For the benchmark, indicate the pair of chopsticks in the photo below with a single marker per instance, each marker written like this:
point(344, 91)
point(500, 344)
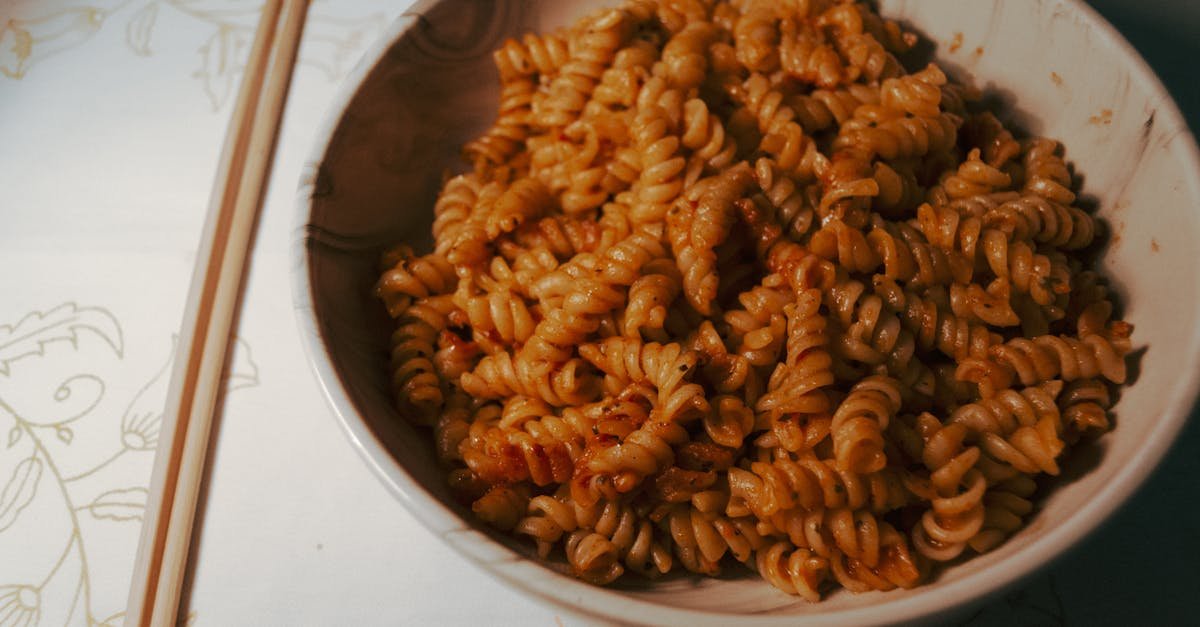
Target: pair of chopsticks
point(196, 379)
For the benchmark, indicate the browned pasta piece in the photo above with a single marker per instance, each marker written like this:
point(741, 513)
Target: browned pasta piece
point(531, 55)
point(1084, 406)
point(500, 375)
point(649, 299)
point(620, 83)
point(667, 367)
point(804, 55)
point(859, 422)
point(1046, 173)
point(933, 325)
point(1043, 220)
point(756, 35)
point(1035, 360)
point(685, 55)
point(861, 51)
point(1005, 507)
point(795, 571)
point(594, 49)
point(409, 277)
point(501, 506)
point(507, 135)
point(812, 484)
point(661, 178)
point(696, 229)
point(795, 385)
point(701, 539)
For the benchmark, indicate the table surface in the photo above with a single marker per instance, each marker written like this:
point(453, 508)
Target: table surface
point(111, 118)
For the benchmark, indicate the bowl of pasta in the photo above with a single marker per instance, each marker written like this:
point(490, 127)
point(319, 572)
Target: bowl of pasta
point(694, 311)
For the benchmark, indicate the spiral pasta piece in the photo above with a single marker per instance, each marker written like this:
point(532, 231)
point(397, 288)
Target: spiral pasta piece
point(756, 37)
point(547, 520)
point(932, 325)
point(792, 570)
point(782, 137)
point(696, 230)
point(811, 484)
point(954, 489)
point(661, 177)
point(619, 536)
point(701, 539)
point(453, 209)
point(902, 137)
point(805, 56)
point(1033, 361)
point(704, 134)
point(1031, 216)
point(862, 52)
point(832, 533)
point(414, 381)
point(620, 83)
point(685, 58)
point(908, 257)
point(571, 88)
point(1005, 507)
point(872, 335)
point(795, 386)
point(975, 177)
point(794, 263)
point(826, 108)
point(897, 567)
point(790, 205)
point(848, 186)
point(1046, 173)
point(531, 55)
point(899, 191)
point(501, 506)
point(729, 422)
point(918, 94)
point(564, 237)
point(525, 200)
point(506, 136)
point(411, 277)
point(500, 375)
point(667, 367)
point(649, 299)
point(859, 421)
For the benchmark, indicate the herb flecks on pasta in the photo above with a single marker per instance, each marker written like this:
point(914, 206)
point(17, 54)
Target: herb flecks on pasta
point(727, 285)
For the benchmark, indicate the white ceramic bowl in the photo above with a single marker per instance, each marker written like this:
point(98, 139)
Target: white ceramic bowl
point(1059, 69)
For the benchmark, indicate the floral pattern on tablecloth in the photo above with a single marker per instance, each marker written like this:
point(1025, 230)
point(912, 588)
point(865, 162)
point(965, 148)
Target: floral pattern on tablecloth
point(74, 462)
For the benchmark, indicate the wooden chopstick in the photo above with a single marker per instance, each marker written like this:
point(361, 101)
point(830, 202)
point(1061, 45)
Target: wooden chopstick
point(242, 174)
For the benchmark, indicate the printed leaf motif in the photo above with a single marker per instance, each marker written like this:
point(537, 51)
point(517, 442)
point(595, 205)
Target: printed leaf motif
point(116, 620)
point(20, 604)
point(14, 435)
point(333, 44)
point(125, 504)
point(142, 420)
point(31, 334)
point(243, 372)
point(15, 45)
point(219, 67)
point(19, 490)
point(65, 434)
point(24, 43)
point(139, 29)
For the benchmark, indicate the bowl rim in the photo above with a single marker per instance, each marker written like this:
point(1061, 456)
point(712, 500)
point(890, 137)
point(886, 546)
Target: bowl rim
point(576, 597)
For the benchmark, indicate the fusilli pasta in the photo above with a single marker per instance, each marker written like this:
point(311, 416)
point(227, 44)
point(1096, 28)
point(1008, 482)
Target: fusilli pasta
point(726, 284)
